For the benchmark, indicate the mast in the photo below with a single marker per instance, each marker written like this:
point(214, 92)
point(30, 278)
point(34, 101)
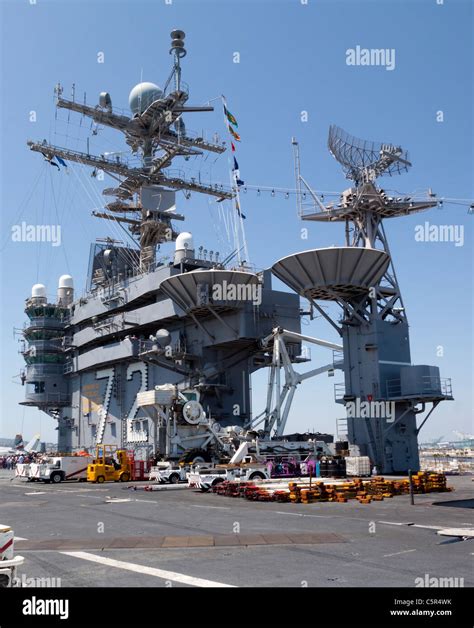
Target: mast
point(360, 277)
point(157, 135)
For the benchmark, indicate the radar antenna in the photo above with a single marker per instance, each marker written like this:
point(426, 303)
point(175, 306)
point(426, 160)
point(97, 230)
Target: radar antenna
point(363, 161)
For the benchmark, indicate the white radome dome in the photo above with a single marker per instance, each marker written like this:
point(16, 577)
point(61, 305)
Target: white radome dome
point(66, 281)
point(163, 337)
point(184, 241)
point(142, 96)
point(38, 291)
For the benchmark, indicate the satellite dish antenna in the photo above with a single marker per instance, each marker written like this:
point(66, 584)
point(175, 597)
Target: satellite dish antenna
point(364, 161)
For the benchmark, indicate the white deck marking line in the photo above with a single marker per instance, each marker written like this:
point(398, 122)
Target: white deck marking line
point(19, 538)
point(397, 553)
point(216, 507)
point(301, 514)
point(149, 571)
point(146, 501)
point(37, 493)
point(412, 525)
point(74, 490)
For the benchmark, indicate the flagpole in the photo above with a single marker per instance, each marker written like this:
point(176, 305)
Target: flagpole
point(235, 188)
point(232, 217)
point(242, 225)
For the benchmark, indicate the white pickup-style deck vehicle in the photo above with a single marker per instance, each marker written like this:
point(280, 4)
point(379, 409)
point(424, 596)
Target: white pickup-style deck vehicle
point(241, 466)
point(60, 468)
point(166, 472)
point(247, 466)
point(205, 479)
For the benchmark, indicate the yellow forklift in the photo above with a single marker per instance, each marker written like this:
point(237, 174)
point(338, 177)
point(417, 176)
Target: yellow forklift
point(109, 465)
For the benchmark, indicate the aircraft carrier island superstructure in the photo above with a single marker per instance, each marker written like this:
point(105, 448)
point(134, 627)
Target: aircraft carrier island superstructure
point(144, 323)
point(158, 354)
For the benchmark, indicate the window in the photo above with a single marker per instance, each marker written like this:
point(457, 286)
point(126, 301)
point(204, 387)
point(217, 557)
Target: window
point(35, 387)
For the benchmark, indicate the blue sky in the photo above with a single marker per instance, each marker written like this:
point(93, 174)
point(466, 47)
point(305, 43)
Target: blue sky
point(292, 59)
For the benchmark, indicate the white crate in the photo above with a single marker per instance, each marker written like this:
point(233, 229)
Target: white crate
point(358, 466)
point(164, 396)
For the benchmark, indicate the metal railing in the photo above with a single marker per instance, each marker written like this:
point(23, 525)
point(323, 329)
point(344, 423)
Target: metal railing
point(153, 347)
point(48, 397)
point(431, 385)
point(305, 354)
point(339, 391)
point(338, 358)
point(52, 345)
point(42, 370)
point(394, 388)
point(446, 387)
point(47, 322)
point(341, 428)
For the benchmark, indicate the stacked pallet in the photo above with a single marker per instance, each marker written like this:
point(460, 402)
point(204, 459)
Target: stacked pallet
point(322, 492)
point(427, 482)
point(229, 489)
point(302, 494)
point(379, 488)
point(257, 493)
point(355, 489)
point(295, 492)
point(437, 483)
point(364, 491)
point(423, 482)
point(281, 496)
point(344, 491)
point(363, 497)
point(307, 494)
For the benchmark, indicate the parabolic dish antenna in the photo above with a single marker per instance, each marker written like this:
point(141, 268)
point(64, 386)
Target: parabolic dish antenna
point(332, 273)
point(216, 289)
